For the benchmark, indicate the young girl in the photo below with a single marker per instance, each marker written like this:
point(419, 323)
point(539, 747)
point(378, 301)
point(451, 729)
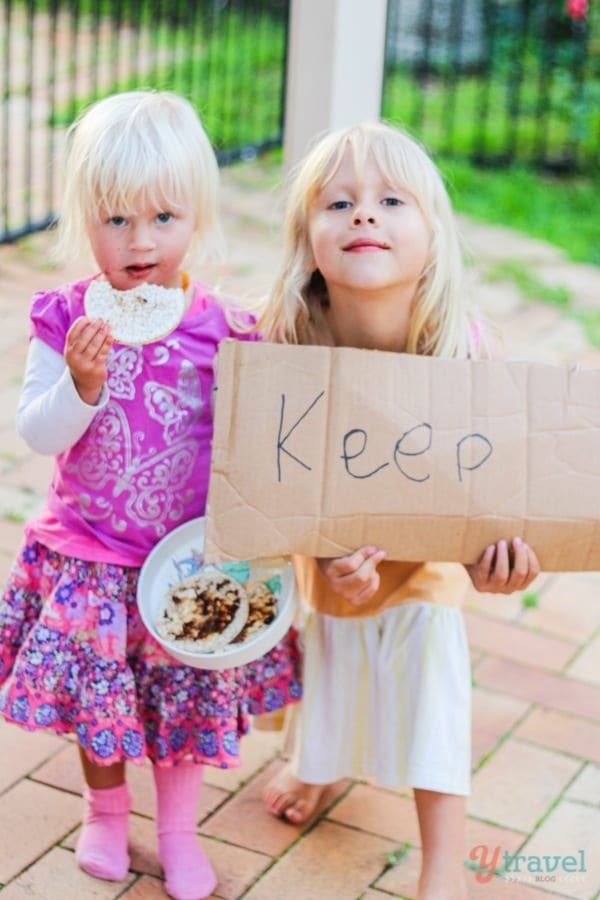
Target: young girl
point(131, 429)
point(372, 260)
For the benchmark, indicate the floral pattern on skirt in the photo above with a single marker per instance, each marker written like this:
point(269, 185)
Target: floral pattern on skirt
point(75, 657)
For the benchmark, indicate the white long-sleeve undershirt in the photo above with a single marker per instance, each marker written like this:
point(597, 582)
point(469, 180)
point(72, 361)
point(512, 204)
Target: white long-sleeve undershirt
point(51, 416)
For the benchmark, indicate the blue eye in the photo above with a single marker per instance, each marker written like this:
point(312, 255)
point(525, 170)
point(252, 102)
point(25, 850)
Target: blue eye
point(392, 201)
point(340, 204)
point(164, 217)
point(117, 221)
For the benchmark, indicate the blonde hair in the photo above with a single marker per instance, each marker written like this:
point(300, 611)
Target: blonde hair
point(439, 322)
point(139, 146)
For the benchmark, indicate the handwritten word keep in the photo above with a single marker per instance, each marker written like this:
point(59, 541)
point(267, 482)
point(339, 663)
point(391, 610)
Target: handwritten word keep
point(471, 451)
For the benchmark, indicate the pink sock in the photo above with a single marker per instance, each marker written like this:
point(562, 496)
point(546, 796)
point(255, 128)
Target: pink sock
point(188, 873)
point(102, 845)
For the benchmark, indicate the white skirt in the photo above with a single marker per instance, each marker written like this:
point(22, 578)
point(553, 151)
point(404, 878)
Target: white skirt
point(387, 696)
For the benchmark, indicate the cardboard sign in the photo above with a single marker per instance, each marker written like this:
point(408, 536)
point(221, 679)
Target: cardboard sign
point(321, 450)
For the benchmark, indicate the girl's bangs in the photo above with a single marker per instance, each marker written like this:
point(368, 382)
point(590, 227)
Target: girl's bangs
point(121, 196)
point(399, 160)
point(401, 164)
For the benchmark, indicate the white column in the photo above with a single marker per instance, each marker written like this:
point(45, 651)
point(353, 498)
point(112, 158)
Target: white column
point(335, 68)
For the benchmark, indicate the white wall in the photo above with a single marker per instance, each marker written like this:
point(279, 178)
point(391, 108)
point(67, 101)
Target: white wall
point(335, 68)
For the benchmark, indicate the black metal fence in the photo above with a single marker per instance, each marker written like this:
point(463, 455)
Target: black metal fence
point(56, 56)
point(495, 81)
point(498, 81)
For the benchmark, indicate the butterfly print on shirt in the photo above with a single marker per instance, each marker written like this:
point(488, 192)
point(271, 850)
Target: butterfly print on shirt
point(116, 462)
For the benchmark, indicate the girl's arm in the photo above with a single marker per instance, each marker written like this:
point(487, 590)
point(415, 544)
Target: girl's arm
point(51, 416)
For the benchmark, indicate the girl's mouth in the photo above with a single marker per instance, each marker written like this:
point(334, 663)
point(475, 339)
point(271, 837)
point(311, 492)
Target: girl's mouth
point(140, 272)
point(365, 245)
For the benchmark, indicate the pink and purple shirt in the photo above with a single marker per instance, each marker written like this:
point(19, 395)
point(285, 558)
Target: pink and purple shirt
point(141, 468)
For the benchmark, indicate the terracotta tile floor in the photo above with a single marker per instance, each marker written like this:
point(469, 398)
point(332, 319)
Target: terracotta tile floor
point(536, 732)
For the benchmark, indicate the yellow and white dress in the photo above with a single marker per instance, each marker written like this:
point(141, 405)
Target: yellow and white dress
point(387, 685)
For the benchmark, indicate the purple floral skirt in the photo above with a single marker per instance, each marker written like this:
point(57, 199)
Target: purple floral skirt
point(76, 657)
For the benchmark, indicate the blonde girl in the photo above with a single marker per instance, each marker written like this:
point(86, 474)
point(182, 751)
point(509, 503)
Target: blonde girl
point(130, 427)
point(372, 259)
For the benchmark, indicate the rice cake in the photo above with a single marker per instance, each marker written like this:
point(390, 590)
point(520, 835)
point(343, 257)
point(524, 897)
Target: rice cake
point(262, 610)
point(203, 613)
point(137, 316)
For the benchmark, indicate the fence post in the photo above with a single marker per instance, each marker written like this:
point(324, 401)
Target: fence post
point(335, 68)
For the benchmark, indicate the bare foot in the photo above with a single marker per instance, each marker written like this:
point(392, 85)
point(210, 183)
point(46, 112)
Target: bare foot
point(291, 799)
point(453, 887)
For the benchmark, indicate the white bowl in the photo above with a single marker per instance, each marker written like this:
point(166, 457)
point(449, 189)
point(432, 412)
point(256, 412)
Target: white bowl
point(181, 553)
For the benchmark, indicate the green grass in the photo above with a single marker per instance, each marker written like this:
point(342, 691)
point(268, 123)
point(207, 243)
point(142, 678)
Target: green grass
point(533, 288)
point(530, 600)
point(395, 857)
point(11, 515)
point(563, 211)
point(529, 286)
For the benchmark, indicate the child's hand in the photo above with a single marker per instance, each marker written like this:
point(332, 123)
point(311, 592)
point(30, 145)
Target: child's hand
point(87, 347)
point(498, 573)
point(354, 577)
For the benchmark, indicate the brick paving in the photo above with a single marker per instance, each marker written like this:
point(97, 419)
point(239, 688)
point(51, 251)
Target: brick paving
point(536, 669)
